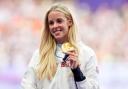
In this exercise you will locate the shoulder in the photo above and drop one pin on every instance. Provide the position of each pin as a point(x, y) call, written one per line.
point(85, 49)
point(86, 55)
point(35, 59)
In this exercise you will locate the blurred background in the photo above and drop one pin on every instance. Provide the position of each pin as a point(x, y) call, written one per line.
point(102, 24)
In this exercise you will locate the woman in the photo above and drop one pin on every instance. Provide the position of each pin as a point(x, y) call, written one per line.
point(48, 70)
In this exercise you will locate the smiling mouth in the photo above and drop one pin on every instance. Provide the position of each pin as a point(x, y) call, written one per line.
point(57, 31)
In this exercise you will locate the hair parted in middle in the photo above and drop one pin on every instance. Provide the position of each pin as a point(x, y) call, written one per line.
point(47, 65)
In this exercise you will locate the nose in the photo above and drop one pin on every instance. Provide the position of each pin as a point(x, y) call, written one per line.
point(55, 25)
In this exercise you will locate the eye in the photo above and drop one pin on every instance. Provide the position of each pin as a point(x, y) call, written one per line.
point(59, 20)
point(51, 22)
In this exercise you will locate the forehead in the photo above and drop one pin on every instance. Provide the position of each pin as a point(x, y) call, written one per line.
point(55, 15)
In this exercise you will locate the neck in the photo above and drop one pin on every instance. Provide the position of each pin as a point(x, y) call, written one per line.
point(61, 41)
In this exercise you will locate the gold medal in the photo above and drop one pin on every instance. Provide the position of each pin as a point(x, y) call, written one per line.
point(66, 47)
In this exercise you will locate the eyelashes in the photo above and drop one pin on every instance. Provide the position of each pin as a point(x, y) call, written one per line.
point(59, 21)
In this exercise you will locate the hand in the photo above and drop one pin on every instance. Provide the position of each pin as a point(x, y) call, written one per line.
point(73, 58)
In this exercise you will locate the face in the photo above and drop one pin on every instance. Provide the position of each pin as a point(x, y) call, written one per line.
point(58, 26)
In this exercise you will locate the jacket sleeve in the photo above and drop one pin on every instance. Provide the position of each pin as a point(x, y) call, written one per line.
point(91, 73)
point(29, 78)
point(28, 81)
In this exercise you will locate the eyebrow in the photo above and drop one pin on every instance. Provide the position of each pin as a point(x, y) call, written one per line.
point(57, 18)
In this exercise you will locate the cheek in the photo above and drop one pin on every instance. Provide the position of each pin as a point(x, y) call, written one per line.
point(66, 28)
point(50, 28)
point(51, 31)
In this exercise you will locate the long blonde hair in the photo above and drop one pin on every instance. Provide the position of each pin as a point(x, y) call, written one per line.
point(47, 65)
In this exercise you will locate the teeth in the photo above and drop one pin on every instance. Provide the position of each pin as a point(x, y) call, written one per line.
point(57, 30)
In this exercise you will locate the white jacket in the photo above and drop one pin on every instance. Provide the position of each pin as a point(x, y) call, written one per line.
point(63, 78)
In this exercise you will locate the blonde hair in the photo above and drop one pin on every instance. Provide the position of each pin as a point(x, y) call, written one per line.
point(47, 66)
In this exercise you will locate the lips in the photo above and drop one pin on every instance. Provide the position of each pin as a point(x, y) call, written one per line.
point(56, 31)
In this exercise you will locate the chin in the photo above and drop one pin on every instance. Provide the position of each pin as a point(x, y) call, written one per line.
point(58, 38)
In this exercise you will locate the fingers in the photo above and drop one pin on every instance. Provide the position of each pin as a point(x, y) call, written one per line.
point(74, 62)
point(74, 65)
point(73, 58)
point(73, 53)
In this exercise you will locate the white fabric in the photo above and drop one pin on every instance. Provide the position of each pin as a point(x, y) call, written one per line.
point(63, 78)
